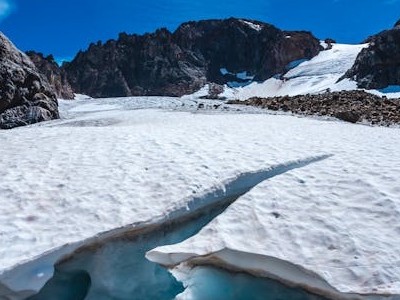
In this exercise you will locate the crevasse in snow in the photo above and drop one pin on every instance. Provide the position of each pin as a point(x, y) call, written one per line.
point(336, 219)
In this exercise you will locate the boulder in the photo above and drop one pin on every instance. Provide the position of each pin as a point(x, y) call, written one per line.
point(348, 116)
point(25, 95)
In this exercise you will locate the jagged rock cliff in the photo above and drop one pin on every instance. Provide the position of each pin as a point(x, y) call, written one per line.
point(174, 64)
point(25, 95)
point(54, 74)
point(378, 66)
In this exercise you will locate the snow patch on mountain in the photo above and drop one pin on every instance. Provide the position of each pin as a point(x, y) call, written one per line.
point(313, 76)
point(252, 25)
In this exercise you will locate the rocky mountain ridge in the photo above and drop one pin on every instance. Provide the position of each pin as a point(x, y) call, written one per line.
point(215, 52)
point(231, 51)
point(178, 63)
point(55, 75)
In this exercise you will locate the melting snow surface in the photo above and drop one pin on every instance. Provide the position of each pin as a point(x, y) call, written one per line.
point(109, 163)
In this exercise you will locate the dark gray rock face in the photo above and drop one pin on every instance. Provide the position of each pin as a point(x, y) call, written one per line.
point(378, 66)
point(134, 66)
point(25, 96)
point(54, 74)
point(174, 64)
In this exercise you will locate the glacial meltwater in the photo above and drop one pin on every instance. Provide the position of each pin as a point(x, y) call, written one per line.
point(119, 270)
point(116, 267)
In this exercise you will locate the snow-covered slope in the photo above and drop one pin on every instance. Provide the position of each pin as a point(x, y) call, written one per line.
point(110, 163)
point(313, 76)
point(114, 162)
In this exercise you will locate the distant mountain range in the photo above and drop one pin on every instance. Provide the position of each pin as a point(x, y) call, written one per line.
point(230, 52)
point(179, 63)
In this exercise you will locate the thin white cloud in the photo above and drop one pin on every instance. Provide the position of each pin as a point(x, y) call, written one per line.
point(6, 8)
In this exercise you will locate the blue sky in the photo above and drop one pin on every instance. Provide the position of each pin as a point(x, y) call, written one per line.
point(64, 27)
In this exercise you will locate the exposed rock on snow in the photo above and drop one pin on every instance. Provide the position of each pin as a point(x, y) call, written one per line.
point(213, 92)
point(54, 74)
point(25, 96)
point(349, 106)
point(179, 63)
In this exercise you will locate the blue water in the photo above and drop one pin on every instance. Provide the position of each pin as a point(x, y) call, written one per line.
point(217, 284)
point(117, 268)
point(391, 89)
point(295, 63)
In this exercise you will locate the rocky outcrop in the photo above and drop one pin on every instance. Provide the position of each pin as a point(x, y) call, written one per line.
point(135, 65)
point(214, 92)
point(349, 106)
point(178, 63)
point(54, 74)
point(25, 95)
point(378, 66)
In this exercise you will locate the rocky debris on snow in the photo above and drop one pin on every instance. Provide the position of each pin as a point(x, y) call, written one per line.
point(329, 43)
point(55, 75)
point(378, 66)
point(25, 95)
point(349, 106)
point(182, 62)
point(214, 92)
